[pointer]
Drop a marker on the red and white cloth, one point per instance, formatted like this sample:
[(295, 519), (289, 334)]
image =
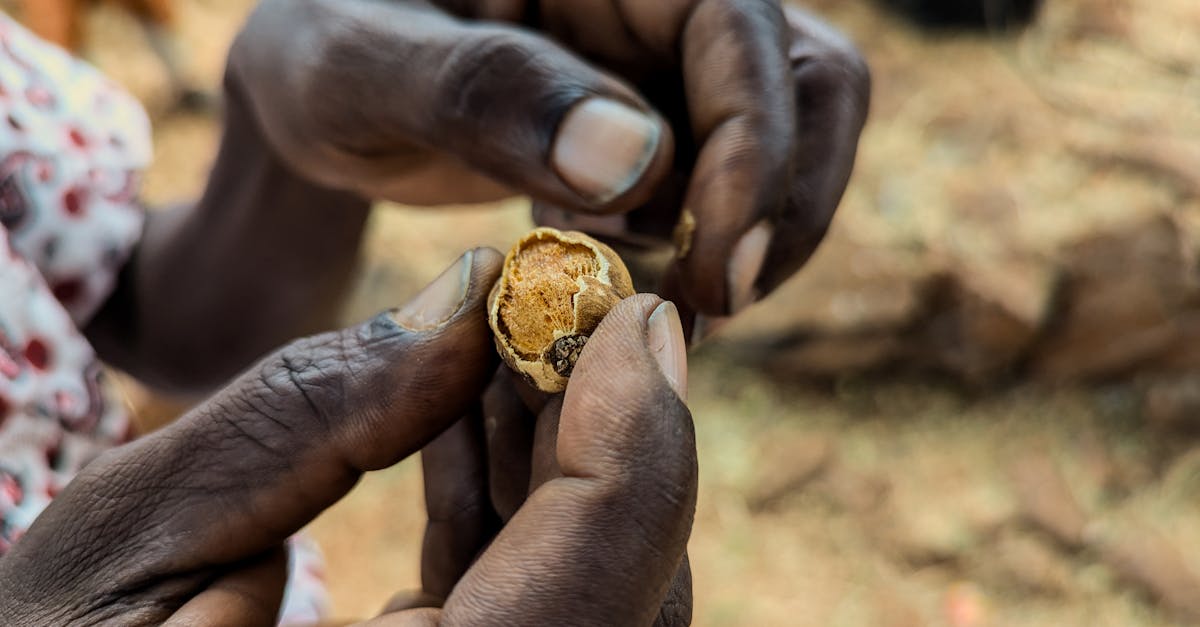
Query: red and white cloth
[(72, 148)]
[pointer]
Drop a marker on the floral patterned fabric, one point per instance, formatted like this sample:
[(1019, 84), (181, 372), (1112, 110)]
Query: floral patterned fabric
[(72, 149)]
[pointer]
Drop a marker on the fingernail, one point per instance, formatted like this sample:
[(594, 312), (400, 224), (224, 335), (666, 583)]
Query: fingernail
[(745, 264), (604, 147), (440, 299), (665, 338)]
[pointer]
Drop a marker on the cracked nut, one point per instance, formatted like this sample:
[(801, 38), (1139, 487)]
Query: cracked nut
[(555, 289)]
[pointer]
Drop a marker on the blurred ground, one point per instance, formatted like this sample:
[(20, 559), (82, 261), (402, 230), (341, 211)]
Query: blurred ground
[(899, 497)]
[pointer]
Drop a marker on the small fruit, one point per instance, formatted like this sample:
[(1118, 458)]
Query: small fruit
[(555, 289)]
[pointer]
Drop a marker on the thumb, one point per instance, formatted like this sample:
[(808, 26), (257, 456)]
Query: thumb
[(239, 474), (508, 102), (602, 543)]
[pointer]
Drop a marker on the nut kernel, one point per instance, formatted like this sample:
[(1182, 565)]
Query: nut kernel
[(555, 289)]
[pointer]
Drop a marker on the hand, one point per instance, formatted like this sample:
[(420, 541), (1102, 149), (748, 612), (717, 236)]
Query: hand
[(481, 474), (187, 525), (733, 118)]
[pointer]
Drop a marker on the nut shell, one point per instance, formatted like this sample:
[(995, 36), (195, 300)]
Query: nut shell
[(554, 290)]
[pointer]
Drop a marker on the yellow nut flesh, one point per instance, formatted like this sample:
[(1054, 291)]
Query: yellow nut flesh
[(555, 289)]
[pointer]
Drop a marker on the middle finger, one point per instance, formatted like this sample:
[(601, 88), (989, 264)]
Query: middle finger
[(461, 519)]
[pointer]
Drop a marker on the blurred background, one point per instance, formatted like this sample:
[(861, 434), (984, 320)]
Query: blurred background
[(974, 407)]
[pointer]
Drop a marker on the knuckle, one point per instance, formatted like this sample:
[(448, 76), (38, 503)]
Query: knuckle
[(309, 375), (837, 71), (744, 16), (855, 72), (475, 68), (338, 69), (832, 64), (293, 398), (248, 66)]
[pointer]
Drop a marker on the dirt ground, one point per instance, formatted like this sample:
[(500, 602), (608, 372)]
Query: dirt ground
[(881, 500)]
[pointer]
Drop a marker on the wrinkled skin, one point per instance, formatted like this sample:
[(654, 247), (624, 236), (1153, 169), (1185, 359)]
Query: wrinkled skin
[(187, 525)]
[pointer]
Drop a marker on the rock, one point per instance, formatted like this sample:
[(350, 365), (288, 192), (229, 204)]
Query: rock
[(973, 322), (1107, 305), (848, 289), (980, 320), (1106, 332), (1046, 501), (1122, 298), (842, 314)]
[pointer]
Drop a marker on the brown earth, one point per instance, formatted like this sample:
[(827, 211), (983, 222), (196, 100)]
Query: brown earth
[(924, 451)]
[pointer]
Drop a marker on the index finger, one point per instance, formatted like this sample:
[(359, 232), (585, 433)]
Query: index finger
[(742, 106), (237, 475)]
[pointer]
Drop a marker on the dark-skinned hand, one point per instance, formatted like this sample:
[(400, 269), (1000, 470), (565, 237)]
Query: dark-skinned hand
[(187, 526), (736, 120), (480, 473)]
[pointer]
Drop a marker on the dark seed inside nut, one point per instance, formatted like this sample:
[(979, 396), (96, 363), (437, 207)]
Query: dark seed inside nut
[(565, 352)]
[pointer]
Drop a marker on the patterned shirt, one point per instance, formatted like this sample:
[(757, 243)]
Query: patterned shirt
[(72, 148)]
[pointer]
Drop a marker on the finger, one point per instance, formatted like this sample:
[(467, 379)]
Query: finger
[(508, 425), (461, 519), (533, 398), (742, 109), (671, 288), (833, 91), (242, 472), (619, 518), (248, 595), (505, 101), (676, 608), (544, 460)]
